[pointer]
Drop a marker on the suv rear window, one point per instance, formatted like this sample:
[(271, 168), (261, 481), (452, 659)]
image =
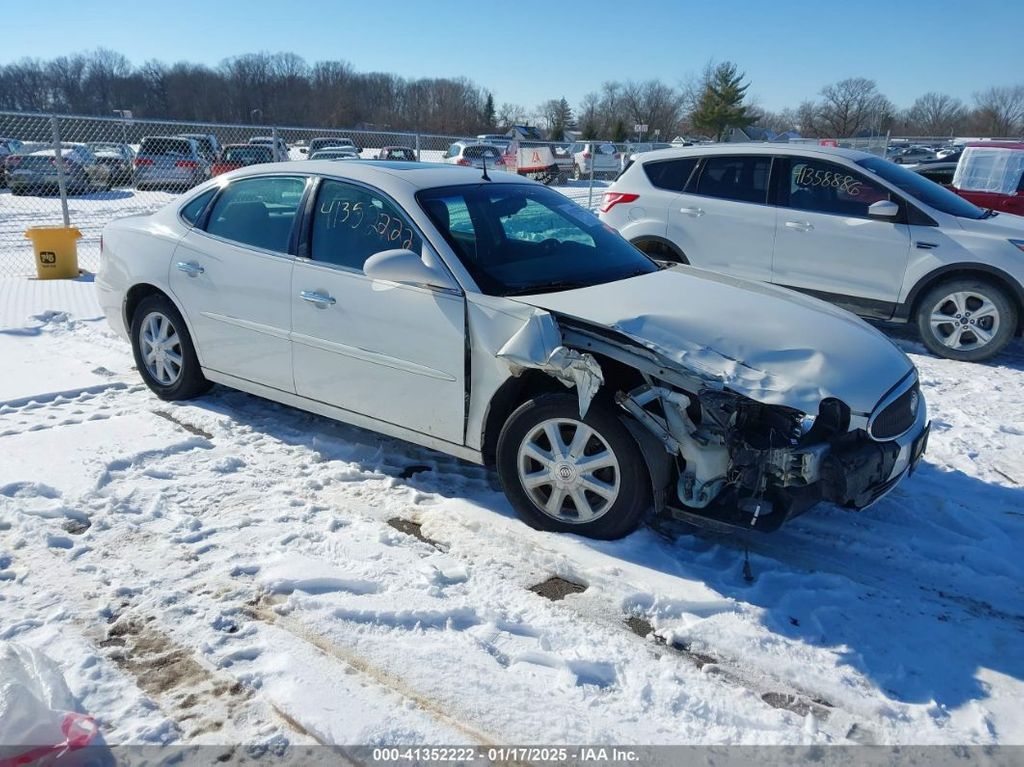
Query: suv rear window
[(670, 174), (480, 151), (161, 145), (733, 177)]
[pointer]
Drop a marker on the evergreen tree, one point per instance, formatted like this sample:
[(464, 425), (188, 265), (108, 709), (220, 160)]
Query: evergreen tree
[(721, 103), (489, 116), (619, 132)]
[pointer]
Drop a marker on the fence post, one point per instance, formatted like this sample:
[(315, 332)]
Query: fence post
[(417, 147), (58, 161), (273, 137), (590, 192)]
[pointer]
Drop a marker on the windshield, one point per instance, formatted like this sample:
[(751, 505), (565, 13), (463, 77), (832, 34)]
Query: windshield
[(518, 239), (920, 188)]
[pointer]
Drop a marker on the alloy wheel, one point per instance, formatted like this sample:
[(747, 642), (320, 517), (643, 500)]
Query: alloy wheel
[(568, 470), (964, 320), (161, 348)]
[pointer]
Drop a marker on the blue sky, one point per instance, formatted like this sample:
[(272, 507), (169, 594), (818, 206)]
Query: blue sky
[(526, 51)]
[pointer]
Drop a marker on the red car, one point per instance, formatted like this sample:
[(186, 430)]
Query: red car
[(991, 175), (237, 156)]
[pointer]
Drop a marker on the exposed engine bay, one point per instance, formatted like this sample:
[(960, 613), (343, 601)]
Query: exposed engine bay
[(729, 457)]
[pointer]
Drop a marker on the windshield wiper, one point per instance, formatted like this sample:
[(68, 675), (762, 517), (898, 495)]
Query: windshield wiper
[(544, 287), (989, 213)]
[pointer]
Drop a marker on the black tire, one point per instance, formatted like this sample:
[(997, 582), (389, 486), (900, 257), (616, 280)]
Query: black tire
[(937, 336), (190, 381), (577, 173), (617, 518)]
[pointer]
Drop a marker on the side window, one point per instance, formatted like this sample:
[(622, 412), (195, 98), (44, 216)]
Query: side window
[(671, 174), (824, 187), (735, 177), (194, 209), (351, 223), (258, 211)]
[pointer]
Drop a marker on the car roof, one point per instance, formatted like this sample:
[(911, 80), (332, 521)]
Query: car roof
[(752, 148), (998, 144), (387, 174)]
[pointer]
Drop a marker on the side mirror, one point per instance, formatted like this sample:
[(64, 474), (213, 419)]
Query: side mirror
[(406, 267), (883, 209)]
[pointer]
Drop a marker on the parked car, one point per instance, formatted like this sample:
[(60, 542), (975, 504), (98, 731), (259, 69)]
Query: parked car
[(235, 156), (119, 159), (601, 156), (8, 147), (629, 151), (169, 162), (991, 175), (471, 153), (949, 153), (938, 171), (911, 154), (335, 153), (503, 324), (328, 142), (36, 173), (209, 146), (847, 226), (277, 146), (397, 153)]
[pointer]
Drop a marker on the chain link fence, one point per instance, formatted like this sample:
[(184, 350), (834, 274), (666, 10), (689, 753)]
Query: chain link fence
[(86, 171)]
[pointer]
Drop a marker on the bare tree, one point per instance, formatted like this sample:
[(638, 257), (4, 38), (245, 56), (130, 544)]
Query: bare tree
[(935, 114), (999, 111), (852, 106)]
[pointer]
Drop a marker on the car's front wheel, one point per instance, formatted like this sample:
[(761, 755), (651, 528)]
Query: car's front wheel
[(570, 474), (966, 319), (163, 350)]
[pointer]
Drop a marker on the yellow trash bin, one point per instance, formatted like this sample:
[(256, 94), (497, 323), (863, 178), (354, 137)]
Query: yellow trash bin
[(56, 249)]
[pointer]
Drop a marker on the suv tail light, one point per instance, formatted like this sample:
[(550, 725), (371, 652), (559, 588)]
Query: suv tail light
[(186, 164), (586, 155), (611, 199), (462, 161), (140, 161)]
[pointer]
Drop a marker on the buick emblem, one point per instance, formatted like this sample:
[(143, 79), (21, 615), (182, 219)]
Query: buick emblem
[(914, 396), (564, 473)]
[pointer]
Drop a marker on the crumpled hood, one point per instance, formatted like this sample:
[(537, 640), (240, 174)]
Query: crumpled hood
[(772, 345)]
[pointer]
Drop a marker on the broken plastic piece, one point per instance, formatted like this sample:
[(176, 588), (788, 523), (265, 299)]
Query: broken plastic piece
[(538, 345)]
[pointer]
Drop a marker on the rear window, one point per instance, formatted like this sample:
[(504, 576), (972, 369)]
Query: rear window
[(990, 169), (733, 177), (670, 174), (247, 155), (161, 145), (36, 162), (606, 149), (480, 151)]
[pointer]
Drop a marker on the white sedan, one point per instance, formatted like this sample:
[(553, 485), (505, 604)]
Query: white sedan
[(493, 319)]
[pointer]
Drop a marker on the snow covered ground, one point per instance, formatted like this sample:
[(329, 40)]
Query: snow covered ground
[(230, 570)]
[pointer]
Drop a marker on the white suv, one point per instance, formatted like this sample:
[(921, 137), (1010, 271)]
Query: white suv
[(599, 157), (842, 225)]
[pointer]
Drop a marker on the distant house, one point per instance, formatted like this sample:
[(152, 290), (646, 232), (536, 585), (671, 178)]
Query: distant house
[(525, 133)]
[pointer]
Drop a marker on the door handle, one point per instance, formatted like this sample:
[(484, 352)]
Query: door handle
[(191, 268), (317, 299), (695, 212), (926, 245), (800, 226)]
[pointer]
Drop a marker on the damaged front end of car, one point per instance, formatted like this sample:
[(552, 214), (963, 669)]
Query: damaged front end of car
[(716, 454)]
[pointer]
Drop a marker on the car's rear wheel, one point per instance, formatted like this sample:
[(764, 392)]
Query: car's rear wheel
[(966, 319), (570, 474), (577, 172), (163, 350)]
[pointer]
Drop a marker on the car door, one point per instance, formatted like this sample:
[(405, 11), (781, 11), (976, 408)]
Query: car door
[(722, 221), (389, 351), (827, 244), (232, 275)]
